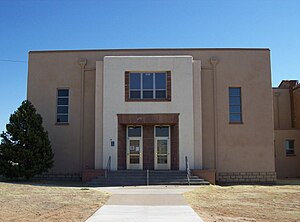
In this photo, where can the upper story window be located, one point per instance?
(235, 105)
(290, 147)
(148, 86)
(62, 112)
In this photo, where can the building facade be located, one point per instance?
(287, 128)
(153, 108)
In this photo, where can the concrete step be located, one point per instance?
(137, 177)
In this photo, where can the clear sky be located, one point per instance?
(76, 24)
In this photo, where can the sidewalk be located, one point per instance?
(147, 204)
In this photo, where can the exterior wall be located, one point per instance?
(296, 106)
(236, 148)
(229, 148)
(182, 99)
(46, 74)
(286, 120)
(282, 109)
(287, 166)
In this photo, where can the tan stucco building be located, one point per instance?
(152, 108)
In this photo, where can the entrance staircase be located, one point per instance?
(140, 178)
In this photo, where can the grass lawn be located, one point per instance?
(246, 203)
(23, 202)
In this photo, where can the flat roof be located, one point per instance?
(145, 49)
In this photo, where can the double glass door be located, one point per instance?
(134, 149)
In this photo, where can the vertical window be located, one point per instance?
(235, 105)
(290, 147)
(148, 85)
(135, 85)
(62, 112)
(160, 86)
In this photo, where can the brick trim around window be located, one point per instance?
(169, 90)
(169, 85)
(126, 86)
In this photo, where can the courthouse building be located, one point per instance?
(151, 109)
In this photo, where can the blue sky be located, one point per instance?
(50, 24)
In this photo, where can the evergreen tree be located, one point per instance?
(25, 149)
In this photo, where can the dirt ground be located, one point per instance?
(246, 203)
(20, 202)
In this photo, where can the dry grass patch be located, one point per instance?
(19, 202)
(246, 203)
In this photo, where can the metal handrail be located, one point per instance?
(108, 167)
(188, 170)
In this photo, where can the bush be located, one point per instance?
(25, 149)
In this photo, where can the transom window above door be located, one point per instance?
(147, 86)
(134, 131)
(162, 131)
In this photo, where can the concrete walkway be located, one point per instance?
(147, 204)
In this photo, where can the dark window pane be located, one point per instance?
(234, 91)
(160, 94)
(289, 147)
(134, 159)
(134, 131)
(235, 117)
(147, 81)
(62, 109)
(147, 94)
(135, 81)
(162, 131)
(162, 159)
(63, 92)
(62, 101)
(62, 118)
(234, 100)
(235, 109)
(160, 80)
(135, 94)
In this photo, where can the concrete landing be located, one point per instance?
(147, 204)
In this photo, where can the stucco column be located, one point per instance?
(197, 106)
(99, 115)
(214, 61)
(82, 63)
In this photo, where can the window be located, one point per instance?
(289, 147)
(134, 131)
(62, 112)
(162, 131)
(147, 86)
(235, 105)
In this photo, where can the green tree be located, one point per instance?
(25, 149)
